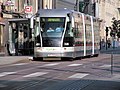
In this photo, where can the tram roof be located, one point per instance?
(54, 12)
(58, 12)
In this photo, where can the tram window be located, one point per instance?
(24, 27)
(37, 32)
(69, 30)
(52, 22)
(13, 25)
(76, 32)
(68, 40)
(52, 27)
(52, 38)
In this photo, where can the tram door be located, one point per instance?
(21, 41)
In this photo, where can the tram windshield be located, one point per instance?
(52, 30)
(52, 27)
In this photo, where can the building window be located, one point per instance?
(47, 4)
(9, 5)
(28, 2)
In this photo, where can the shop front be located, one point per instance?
(2, 44)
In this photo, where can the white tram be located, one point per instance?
(65, 33)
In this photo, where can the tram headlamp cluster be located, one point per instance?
(37, 44)
(66, 44)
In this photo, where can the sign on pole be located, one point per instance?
(28, 9)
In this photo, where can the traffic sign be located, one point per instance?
(28, 9)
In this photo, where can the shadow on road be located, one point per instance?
(50, 84)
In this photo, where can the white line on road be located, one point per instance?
(36, 74)
(116, 76)
(105, 66)
(72, 65)
(52, 64)
(78, 75)
(6, 73)
(19, 64)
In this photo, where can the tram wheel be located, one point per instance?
(96, 55)
(67, 59)
(37, 58)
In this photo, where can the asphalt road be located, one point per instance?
(86, 74)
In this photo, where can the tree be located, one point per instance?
(115, 28)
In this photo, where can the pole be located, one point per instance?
(106, 42)
(100, 43)
(106, 36)
(113, 43)
(112, 63)
(18, 6)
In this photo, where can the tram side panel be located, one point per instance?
(88, 32)
(79, 35)
(96, 36)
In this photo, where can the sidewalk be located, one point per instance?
(2, 54)
(4, 60)
(14, 59)
(110, 50)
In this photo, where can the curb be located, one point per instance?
(5, 60)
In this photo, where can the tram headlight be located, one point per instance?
(66, 44)
(37, 44)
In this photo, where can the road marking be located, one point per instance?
(19, 64)
(105, 66)
(72, 65)
(52, 64)
(116, 76)
(36, 74)
(6, 73)
(78, 75)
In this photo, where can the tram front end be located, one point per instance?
(53, 36)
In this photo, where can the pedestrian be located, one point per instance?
(8, 48)
(109, 42)
(59, 29)
(103, 43)
(50, 30)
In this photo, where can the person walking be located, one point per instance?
(109, 43)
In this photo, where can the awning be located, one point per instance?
(1, 23)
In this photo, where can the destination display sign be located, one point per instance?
(52, 19)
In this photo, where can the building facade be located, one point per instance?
(108, 9)
(1, 34)
(105, 10)
(56, 4)
(14, 9)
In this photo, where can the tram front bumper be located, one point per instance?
(54, 52)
